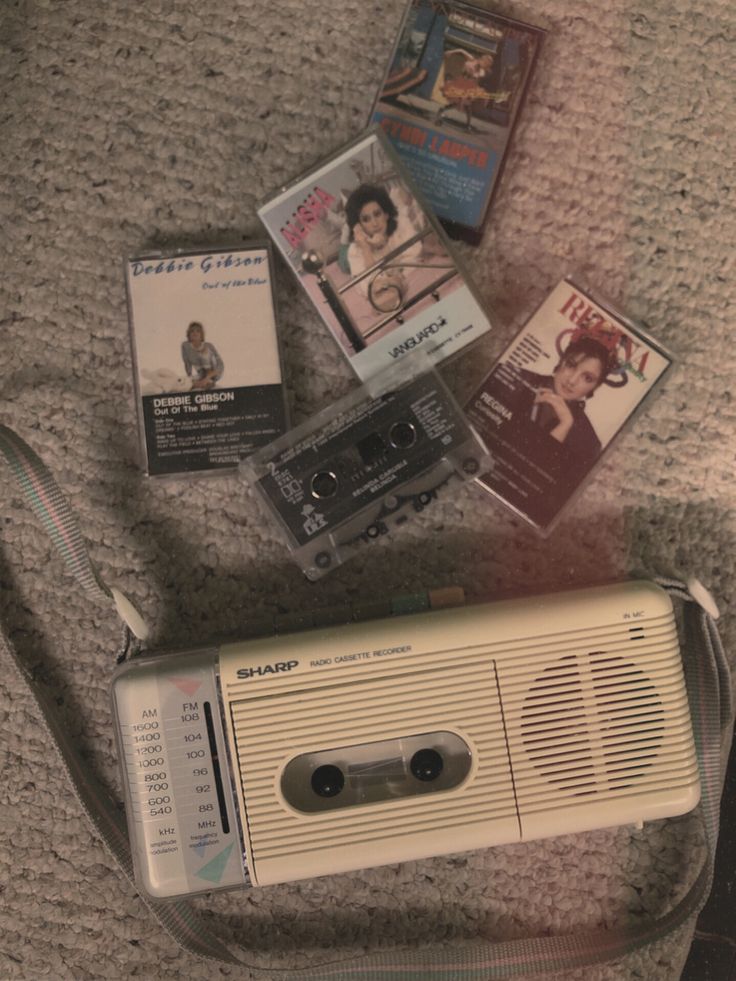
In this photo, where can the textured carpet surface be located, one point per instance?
(128, 126)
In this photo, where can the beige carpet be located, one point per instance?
(128, 125)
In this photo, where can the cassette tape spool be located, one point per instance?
(360, 468)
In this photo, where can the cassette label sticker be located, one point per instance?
(558, 396)
(359, 470)
(450, 100)
(374, 262)
(207, 366)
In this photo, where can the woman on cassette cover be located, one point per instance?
(545, 415)
(378, 222)
(557, 401)
(202, 363)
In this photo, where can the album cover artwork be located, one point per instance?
(377, 266)
(558, 396)
(206, 357)
(449, 102)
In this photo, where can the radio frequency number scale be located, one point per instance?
(184, 820)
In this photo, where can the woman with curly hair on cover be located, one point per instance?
(378, 223)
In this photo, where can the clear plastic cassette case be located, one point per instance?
(449, 102)
(558, 396)
(373, 259)
(361, 467)
(206, 356)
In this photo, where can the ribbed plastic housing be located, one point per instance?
(460, 699)
(573, 708)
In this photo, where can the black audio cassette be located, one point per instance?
(361, 467)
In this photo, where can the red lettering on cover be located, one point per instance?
(643, 362)
(404, 132)
(325, 197)
(461, 151)
(306, 215)
(573, 306)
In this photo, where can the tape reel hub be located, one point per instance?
(402, 435)
(426, 764)
(324, 485)
(328, 780)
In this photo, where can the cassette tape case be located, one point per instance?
(206, 357)
(375, 263)
(359, 468)
(450, 100)
(558, 396)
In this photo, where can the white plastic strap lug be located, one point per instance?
(129, 615)
(703, 597)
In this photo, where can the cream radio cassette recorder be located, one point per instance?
(301, 755)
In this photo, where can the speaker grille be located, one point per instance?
(592, 722)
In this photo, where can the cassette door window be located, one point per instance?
(206, 353)
(374, 262)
